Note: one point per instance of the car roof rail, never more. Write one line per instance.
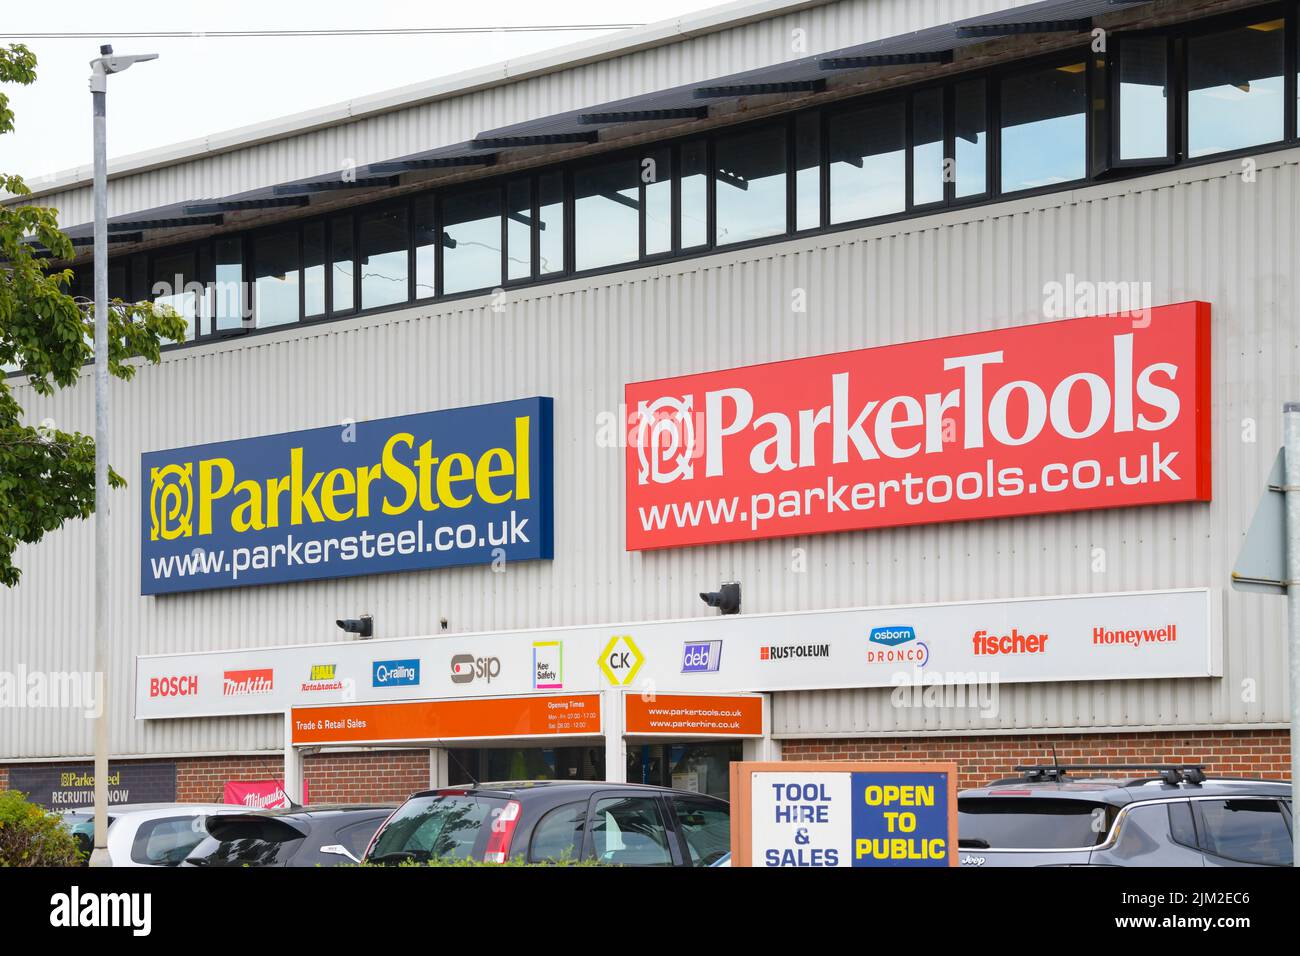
(1172, 774)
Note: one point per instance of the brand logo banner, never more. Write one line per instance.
(459, 486)
(1057, 416)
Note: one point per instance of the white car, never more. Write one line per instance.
(155, 834)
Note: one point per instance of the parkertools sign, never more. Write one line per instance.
(844, 814)
(1058, 416)
(460, 486)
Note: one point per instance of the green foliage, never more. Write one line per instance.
(29, 836)
(47, 476)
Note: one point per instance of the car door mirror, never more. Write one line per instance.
(338, 849)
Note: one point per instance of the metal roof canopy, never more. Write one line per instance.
(805, 75)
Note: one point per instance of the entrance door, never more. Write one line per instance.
(702, 767)
(494, 764)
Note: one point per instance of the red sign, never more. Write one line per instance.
(174, 686)
(1057, 416)
(259, 794)
(244, 683)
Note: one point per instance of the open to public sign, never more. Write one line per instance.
(469, 719)
(831, 814)
(1057, 416)
(457, 486)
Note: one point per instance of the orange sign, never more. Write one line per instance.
(560, 714)
(727, 716)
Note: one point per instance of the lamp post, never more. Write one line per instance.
(99, 71)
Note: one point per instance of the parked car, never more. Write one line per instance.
(146, 834)
(544, 821)
(1105, 815)
(293, 836)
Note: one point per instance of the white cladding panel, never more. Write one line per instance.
(1193, 234)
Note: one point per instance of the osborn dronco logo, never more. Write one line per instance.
(665, 439)
(171, 502)
(898, 646)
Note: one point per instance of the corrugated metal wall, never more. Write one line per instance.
(459, 119)
(1200, 233)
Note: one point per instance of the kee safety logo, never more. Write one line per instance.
(458, 486)
(548, 665)
(247, 683)
(403, 673)
(1050, 417)
(701, 657)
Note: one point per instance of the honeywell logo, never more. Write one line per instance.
(902, 426)
(1136, 637)
(247, 683)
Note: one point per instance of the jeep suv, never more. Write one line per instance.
(1109, 815)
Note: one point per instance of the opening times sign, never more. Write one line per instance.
(844, 814)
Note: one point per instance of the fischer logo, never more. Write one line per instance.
(986, 643)
(1136, 637)
(247, 683)
(322, 677)
(1057, 416)
(186, 686)
(898, 646)
(780, 652)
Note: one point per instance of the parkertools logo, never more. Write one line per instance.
(665, 439)
(247, 683)
(171, 502)
(322, 677)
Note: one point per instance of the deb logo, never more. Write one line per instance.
(620, 660)
(548, 665)
(186, 686)
(466, 668)
(435, 489)
(395, 673)
(701, 657)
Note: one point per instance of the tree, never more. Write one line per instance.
(47, 475)
(29, 836)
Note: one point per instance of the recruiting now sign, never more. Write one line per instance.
(1057, 416)
(830, 814)
(459, 486)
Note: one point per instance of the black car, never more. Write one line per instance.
(544, 821)
(297, 836)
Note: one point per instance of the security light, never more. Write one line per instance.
(363, 627)
(726, 599)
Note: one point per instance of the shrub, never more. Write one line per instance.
(30, 836)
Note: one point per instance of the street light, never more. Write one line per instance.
(99, 71)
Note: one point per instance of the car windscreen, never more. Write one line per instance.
(442, 826)
(246, 842)
(1030, 823)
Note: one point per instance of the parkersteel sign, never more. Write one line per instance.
(459, 486)
(1057, 416)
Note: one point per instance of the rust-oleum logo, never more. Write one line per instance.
(781, 652)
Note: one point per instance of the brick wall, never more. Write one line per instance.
(1263, 753)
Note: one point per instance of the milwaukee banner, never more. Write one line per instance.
(1058, 416)
(459, 486)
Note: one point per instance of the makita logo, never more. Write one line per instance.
(246, 683)
(186, 686)
(1136, 637)
(780, 652)
(1076, 405)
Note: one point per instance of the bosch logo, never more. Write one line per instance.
(174, 686)
(466, 668)
(665, 440)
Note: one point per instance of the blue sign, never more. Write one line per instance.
(395, 673)
(701, 657)
(892, 636)
(901, 819)
(460, 486)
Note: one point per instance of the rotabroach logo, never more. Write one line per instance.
(322, 677)
(701, 657)
(186, 686)
(466, 668)
(247, 683)
(404, 673)
(898, 645)
(782, 652)
(548, 665)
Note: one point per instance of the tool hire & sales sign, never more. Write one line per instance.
(459, 486)
(1057, 416)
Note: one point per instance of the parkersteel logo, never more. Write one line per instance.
(247, 683)
(781, 652)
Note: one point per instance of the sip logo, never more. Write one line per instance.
(466, 668)
(186, 686)
(620, 660)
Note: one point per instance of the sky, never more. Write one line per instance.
(204, 85)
